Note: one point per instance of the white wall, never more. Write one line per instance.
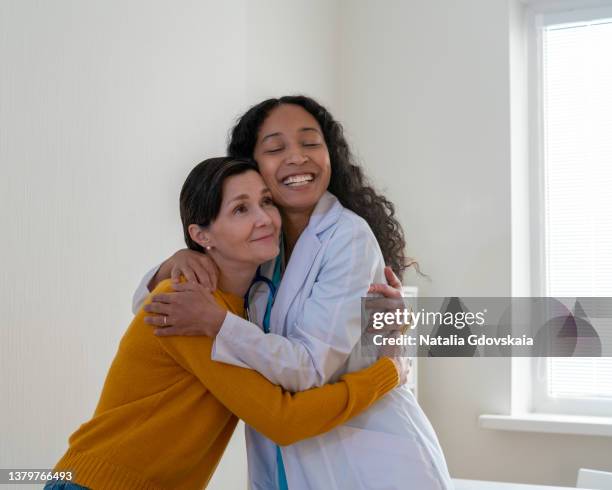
(426, 101)
(292, 49)
(104, 108)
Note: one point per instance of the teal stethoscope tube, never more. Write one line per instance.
(259, 277)
(272, 288)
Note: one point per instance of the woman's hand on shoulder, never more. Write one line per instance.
(190, 310)
(393, 288)
(392, 292)
(196, 267)
(390, 299)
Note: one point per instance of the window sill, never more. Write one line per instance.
(549, 423)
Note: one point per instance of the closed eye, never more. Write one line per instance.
(267, 201)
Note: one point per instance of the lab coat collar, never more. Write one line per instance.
(326, 213)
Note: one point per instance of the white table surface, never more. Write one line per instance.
(498, 485)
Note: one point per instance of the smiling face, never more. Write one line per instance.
(293, 158)
(247, 228)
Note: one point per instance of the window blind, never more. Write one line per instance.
(577, 149)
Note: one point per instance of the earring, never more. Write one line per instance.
(207, 247)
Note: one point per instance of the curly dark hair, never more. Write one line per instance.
(348, 182)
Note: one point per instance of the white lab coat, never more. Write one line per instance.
(314, 338)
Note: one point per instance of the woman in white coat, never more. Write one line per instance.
(311, 320)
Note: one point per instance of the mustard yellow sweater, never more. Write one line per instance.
(167, 411)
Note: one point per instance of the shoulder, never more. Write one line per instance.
(351, 226)
(351, 239)
(230, 302)
(164, 286)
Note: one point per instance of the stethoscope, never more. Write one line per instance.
(259, 277)
(272, 288)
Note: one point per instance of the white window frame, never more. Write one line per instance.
(540, 14)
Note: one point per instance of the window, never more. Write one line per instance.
(573, 85)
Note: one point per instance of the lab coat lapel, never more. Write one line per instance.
(326, 212)
(297, 270)
(258, 296)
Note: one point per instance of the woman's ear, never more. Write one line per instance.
(200, 235)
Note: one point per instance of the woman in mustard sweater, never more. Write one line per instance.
(167, 411)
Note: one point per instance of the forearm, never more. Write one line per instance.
(280, 415)
(288, 362)
(287, 418)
